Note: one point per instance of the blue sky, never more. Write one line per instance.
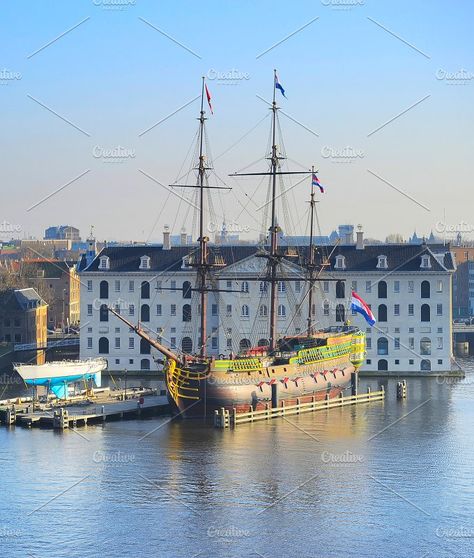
(114, 76)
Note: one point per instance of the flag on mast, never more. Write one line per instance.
(315, 182)
(208, 95)
(359, 305)
(279, 86)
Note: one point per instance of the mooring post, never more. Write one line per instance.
(402, 389)
(354, 382)
(274, 395)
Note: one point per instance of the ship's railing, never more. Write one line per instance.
(225, 418)
(178, 381)
(239, 364)
(317, 354)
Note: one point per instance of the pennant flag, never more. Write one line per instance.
(208, 95)
(279, 86)
(359, 305)
(315, 182)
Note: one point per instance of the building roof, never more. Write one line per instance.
(400, 257)
(21, 299)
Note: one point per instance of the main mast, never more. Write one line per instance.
(203, 261)
(311, 264)
(273, 261)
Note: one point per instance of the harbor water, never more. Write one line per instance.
(384, 479)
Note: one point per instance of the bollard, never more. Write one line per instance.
(354, 383)
(402, 389)
(274, 396)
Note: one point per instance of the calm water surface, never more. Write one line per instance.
(386, 479)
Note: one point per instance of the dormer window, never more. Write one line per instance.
(145, 262)
(104, 262)
(186, 262)
(340, 262)
(382, 262)
(425, 262)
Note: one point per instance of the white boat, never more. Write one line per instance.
(58, 375)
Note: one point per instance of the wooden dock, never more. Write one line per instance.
(224, 418)
(62, 415)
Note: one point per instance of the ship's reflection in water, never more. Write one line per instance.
(385, 479)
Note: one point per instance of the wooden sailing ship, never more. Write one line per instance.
(310, 366)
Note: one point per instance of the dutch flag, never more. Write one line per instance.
(279, 86)
(359, 305)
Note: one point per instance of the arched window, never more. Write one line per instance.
(263, 343)
(425, 289)
(187, 289)
(104, 289)
(425, 365)
(103, 313)
(187, 345)
(382, 364)
(186, 313)
(340, 313)
(382, 289)
(425, 313)
(145, 290)
(245, 311)
(244, 344)
(263, 311)
(340, 289)
(263, 287)
(425, 346)
(144, 347)
(103, 346)
(382, 313)
(382, 346)
(145, 364)
(244, 287)
(281, 310)
(145, 313)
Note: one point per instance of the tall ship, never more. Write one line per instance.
(315, 364)
(57, 376)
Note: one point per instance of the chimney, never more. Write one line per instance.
(183, 237)
(360, 238)
(166, 238)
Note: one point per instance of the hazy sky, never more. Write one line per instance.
(346, 74)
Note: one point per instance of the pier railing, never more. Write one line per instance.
(225, 418)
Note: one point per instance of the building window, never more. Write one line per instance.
(117, 342)
(425, 346)
(145, 364)
(131, 310)
(396, 309)
(229, 344)
(425, 313)
(326, 286)
(158, 310)
(89, 309)
(103, 346)
(368, 286)
(263, 287)
(131, 286)
(382, 262)
(411, 286)
(187, 292)
(263, 311)
(440, 343)
(229, 284)
(244, 344)
(382, 364)
(425, 262)
(368, 343)
(396, 286)
(326, 308)
(397, 361)
(382, 346)
(145, 290)
(354, 285)
(297, 286)
(245, 311)
(244, 287)
(382, 289)
(144, 347)
(89, 285)
(145, 262)
(281, 287)
(340, 313)
(89, 342)
(411, 309)
(103, 313)
(131, 342)
(281, 311)
(173, 310)
(228, 310)
(214, 344)
(186, 313)
(117, 286)
(214, 310)
(187, 345)
(411, 361)
(382, 313)
(145, 313)
(396, 343)
(159, 285)
(425, 365)
(439, 309)
(104, 289)
(439, 288)
(104, 262)
(369, 361)
(440, 361)
(340, 289)
(411, 343)
(340, 262)
(425, 289)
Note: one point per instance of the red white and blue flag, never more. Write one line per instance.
(279, 86)
(359, 305)
(315, 182)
